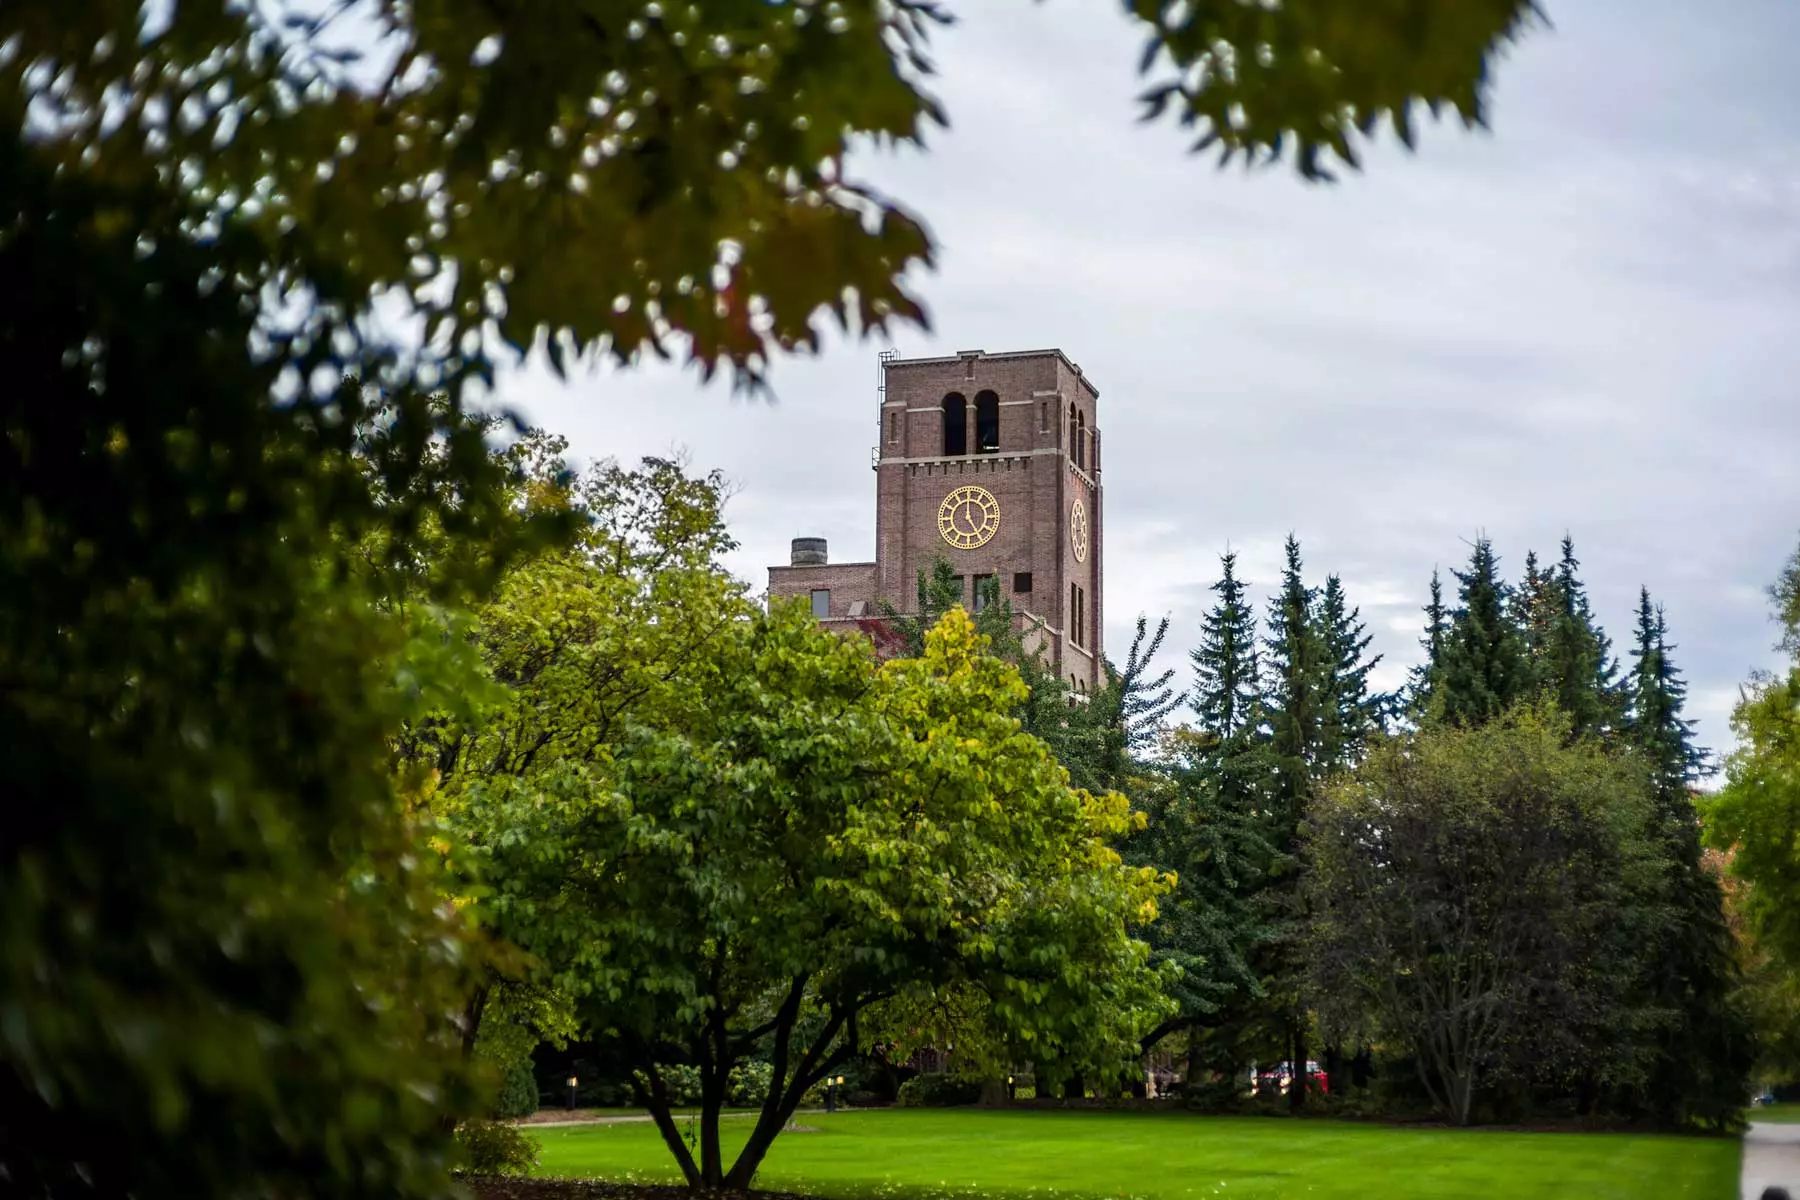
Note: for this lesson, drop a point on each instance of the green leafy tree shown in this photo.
(1466, 886)
(1482, 668)
(206, 876)
(1756, 816)
(823, 833)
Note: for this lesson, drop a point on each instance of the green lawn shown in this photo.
(915, 1154)
(1778, 1114)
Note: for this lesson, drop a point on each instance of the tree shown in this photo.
(756, 871)
(206, 876)
(1353, 714)
(1425, 679)
(1705, 1049)
(1298, 700)
(1537, 605)
(1462, 887)
(1204, 822)
(1227, 692)
(1756, 816)
(1577, 669)
(1482, 671)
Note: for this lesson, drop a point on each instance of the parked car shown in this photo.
(1278, 1077)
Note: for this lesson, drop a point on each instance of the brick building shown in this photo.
(991, 461)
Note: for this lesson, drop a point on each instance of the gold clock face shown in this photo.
(1078, 530)
(969, 517)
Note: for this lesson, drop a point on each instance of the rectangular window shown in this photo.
(987, 591)
(821, 602)
(962, 592)
(1022, 582)
(893, 427)
(1075, 614)
(1043, 416)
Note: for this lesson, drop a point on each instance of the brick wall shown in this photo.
(1033, 477)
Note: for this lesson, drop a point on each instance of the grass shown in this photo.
(914, 1154)
(1777, 1114)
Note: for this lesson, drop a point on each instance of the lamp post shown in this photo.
(1011, 1091)
(572, 1081)
(831, 1089)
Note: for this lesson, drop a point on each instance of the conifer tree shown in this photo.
(1578, 670)
(1227, 692)
(1483, 668)
(1703, 1045)
(1352, 713)
(1421, 688)
(1206, 823)
(1297, 702)
(1537, 608)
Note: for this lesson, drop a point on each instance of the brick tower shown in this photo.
(991, 461)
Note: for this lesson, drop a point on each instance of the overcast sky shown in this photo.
(1583, 321)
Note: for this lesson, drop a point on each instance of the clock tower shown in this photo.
(991, 461)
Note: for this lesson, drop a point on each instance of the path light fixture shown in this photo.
(572, 1081)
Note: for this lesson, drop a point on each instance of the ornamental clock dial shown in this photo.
(968, 517)
(1078, 530)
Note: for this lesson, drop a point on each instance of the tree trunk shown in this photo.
(712, 1099)
(993, 1093)
(468, 1030)
(1298, 1080)
(1075, 1087)
(658, 1104)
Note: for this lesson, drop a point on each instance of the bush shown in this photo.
(680, 1081)
(937, 1091)
(1214, 1095)
(518, 1092)
(749, 1084)
(496, 1148)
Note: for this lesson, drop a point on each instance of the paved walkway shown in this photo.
(622, 1119)
(1771, 1156)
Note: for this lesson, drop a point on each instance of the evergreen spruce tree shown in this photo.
(1297, 700)
(1483, 668)
(1578, 670)
(1538, 604)
(1352, 713)
(1206, 822)
(1703, 1046)
(1421, 686)
(1227, 692)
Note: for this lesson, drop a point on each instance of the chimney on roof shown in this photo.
(807, 552)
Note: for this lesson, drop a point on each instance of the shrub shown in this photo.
(496, 1148)
(937, 1091)
(749, 1084)
(518, 1092)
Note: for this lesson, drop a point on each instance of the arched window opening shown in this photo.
(1081, 439)
(1070, 446)
(956, 424)
(987, 423)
